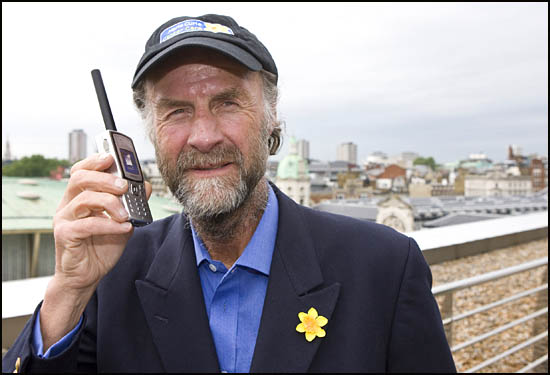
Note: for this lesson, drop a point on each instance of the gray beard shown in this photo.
(206, 198)
(213, 202)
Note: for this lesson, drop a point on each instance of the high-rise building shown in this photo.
(77, 145)
(7, 153)
(303, 149)
(348, 152)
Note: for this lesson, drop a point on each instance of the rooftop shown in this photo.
(453, 219)
(464, 209)
(31, 205)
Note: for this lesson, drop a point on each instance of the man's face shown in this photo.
(211, 137)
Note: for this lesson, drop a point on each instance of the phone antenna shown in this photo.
(103, 101)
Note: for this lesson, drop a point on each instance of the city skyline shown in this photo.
(301, 144)
(441, 80)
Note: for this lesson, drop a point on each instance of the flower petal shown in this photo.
(321, 332)
(313, 313)
(321, 320)
(300, 328)
(302, 315)
(310, 336)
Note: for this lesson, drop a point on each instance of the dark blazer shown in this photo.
(371, 282)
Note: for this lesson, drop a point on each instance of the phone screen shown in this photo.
(127, 156)
(129, 161)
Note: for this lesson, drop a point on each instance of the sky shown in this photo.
(440, 79)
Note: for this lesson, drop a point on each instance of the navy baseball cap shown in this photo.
(213, 31)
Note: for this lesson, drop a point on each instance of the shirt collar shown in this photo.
(259, 250)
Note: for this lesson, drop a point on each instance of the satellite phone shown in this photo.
(126, 163)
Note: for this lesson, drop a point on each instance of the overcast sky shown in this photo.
(440, 79)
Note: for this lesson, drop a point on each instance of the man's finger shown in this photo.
(95, 162)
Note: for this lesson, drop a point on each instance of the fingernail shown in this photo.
(120, 183)
(127, 226)
(103, 156)
(123, 213)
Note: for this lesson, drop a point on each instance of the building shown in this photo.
(292, 176)
(352, 187)
(395, 212)
(425, 210)
(443, 189)
(28, 207)
(407, 158)
(77, 145)
(404, 160)
(496, 184)
(303, 149)
(420, 190)
(329, 171)
(478, 156)
(478, 166)
(424, 190)
(538, 174)
(7, 157)
(515, 153)
(545, 164)
(347, 152)
(393, 178)
(377, 158)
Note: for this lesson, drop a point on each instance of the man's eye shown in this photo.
(178, 111)
(229, 103)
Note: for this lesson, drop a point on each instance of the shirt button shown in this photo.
(212, 267)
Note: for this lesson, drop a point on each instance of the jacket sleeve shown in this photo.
(418, 342)
(79, 356)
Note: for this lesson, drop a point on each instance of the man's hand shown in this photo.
(91, 232)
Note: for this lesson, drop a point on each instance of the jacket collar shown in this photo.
(295, 284)
(172, 299)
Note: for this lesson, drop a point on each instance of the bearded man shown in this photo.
(244, 280)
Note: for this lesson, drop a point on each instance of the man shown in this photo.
(245, 279)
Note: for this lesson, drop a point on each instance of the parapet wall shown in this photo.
(457, 241)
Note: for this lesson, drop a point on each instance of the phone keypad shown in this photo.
(136, 201)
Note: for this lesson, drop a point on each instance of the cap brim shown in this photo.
(227, 48)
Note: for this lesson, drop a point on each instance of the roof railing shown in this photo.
(447, 290)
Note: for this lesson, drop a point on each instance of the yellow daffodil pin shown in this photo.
(17, 365)
(311, 324)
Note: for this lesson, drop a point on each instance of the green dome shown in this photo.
(292, 166)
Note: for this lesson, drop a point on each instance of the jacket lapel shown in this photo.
(295, 285)
(171, 297)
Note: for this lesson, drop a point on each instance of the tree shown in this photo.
(429, 161)
(33, 166)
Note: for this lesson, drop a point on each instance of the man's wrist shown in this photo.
(61, 311)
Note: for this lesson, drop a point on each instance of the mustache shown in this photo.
(192, 158)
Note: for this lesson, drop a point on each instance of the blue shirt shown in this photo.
(234, 298)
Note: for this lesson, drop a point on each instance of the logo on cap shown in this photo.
(188, 26)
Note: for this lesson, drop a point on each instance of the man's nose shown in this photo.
(205, 132)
